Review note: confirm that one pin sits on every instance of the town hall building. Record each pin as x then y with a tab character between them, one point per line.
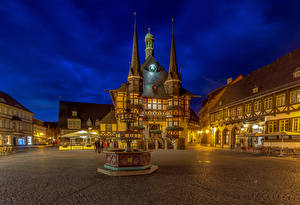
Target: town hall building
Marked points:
155	96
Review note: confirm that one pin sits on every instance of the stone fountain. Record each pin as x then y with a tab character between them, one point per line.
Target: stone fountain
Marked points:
128	161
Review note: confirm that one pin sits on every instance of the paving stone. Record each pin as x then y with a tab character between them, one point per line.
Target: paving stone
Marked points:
202	176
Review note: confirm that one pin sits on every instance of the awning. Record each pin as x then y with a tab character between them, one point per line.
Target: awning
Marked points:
269	135
250	135
281	134
80	134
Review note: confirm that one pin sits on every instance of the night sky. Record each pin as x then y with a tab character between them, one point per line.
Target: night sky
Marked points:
78	49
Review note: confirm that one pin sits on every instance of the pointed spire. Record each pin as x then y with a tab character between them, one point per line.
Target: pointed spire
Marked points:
135	62
173	70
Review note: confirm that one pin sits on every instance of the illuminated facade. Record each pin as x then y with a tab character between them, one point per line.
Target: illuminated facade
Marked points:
39	132
15	122
266	102
161	104
52	132
76	116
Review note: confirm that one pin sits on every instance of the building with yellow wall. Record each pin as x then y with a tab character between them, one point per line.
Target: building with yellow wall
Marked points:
39	132
264	103
157	97
15	122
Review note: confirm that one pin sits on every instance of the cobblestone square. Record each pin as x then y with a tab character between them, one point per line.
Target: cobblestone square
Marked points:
201	176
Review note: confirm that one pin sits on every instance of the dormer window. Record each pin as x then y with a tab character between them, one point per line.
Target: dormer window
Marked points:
89	122
255	89
296	73
2	100
97	123
74	113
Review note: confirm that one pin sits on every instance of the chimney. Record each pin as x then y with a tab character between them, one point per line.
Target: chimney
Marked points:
229	80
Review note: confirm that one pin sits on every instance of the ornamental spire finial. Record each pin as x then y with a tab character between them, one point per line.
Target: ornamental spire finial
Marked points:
135	62
173	70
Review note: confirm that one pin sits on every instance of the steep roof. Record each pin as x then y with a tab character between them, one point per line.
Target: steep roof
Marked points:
214	96
135	60
268	78
173	70
109	117
8	100
84	112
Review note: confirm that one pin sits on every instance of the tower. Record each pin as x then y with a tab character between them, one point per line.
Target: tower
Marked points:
173	83
149	41
134	76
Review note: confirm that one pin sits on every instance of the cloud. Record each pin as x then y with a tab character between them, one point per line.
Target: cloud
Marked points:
78	49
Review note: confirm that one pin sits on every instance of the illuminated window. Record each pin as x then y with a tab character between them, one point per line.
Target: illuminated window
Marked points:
296	124
268	103
280	100
284	125
295	96
74	124
257	106
108	127
239	111
248	108
272	126
233	112
154	105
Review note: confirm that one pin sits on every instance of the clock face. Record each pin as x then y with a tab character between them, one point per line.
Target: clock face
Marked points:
152	67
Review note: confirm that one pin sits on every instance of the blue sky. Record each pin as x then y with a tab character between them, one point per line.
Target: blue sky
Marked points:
78	49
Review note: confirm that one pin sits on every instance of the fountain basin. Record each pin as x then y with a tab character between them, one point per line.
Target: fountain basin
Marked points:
119	160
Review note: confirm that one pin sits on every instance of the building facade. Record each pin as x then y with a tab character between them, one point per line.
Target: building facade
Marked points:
208	104
264	103
39	132
157	97
15	122
52	132
76	116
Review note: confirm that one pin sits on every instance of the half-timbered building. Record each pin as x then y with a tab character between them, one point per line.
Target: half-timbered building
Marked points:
266	102
161	104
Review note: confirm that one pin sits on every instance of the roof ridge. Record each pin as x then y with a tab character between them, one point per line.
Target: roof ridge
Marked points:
276	61
62	101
